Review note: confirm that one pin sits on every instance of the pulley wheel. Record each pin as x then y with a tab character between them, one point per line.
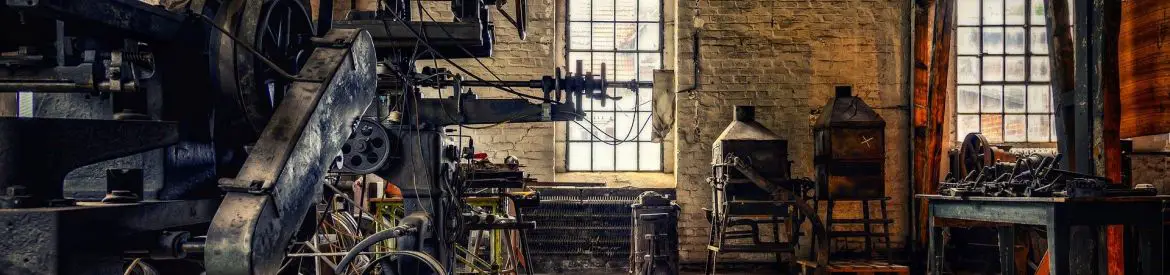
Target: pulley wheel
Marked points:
280	31
975	153
368	149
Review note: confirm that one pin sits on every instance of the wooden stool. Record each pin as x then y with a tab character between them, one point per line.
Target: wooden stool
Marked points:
855	266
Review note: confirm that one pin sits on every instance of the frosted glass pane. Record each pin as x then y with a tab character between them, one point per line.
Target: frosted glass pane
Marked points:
603	10
578	132
647	63
626	10
967	124
648	36
603	36
579	156
968	12
1037	12
1014	96
1015	127
968	40
649	10
1039	127
992	100
649	156
1039	40
626	36
1015	11
627	156
579	37
1016	71
1014	40
645	125
968	101
993	12
968	70
625	67
626	127
628	100
603	157
993	40
604	125
993	68
579	10
602	58
645	99
1039	99
1039	69
992	127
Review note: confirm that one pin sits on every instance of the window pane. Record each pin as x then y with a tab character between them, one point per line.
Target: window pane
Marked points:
626	127
626	10
649	10
1039	128
625	67
648	37
992	100
603	10
627	156
603	157
603	36
1016	71
585	57
647	63
1039	68
968	99
604	126
992	127
1014	40
967	124
1014	128
993	68
579	36
628	99
1037	12
1014	99
579	10
1039	40
992	40
992	12
645	125
579	156
598	59
968	40
645	99
649	156
968	70
1015	11
1039	99
968	12
627	36
578	132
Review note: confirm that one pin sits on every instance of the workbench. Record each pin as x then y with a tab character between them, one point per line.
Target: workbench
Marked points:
1142	214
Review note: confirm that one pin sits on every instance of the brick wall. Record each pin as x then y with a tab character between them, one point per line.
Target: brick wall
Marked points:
784	57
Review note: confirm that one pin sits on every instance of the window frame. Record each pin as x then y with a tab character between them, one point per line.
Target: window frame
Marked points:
1028	26
639	110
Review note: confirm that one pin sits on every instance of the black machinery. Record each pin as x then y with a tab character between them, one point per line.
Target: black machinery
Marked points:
198	135
654	240
982	169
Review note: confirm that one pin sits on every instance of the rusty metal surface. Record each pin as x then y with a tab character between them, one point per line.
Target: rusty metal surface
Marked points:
268	199
849	151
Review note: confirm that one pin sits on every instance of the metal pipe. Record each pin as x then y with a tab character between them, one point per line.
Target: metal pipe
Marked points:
43	87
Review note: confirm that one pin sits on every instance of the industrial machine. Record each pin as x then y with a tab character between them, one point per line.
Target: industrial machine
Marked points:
198	135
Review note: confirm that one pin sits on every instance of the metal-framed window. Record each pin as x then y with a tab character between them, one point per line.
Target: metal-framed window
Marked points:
626	35
1003	72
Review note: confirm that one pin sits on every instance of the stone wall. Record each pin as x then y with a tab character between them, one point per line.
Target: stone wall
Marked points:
785	57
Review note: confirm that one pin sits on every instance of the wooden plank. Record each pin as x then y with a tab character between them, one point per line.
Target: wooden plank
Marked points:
1144	67
1061	60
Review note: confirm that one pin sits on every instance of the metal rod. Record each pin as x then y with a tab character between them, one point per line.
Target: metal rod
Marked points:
43	87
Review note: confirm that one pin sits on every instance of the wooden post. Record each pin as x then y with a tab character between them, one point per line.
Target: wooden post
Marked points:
923	34
934	38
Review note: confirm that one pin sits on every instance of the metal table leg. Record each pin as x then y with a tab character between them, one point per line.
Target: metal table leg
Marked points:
1058	245
1150	238
1007	249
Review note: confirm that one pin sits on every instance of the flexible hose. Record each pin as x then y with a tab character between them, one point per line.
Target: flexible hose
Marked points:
409	224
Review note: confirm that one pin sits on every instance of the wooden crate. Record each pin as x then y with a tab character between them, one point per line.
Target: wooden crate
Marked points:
855	266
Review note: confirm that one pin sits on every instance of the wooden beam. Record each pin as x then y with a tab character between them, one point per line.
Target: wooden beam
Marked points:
1107	114
923	34
1061	60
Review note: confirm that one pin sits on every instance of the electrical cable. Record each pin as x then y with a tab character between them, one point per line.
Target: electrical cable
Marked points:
465	51
373	239
430	261
457	66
